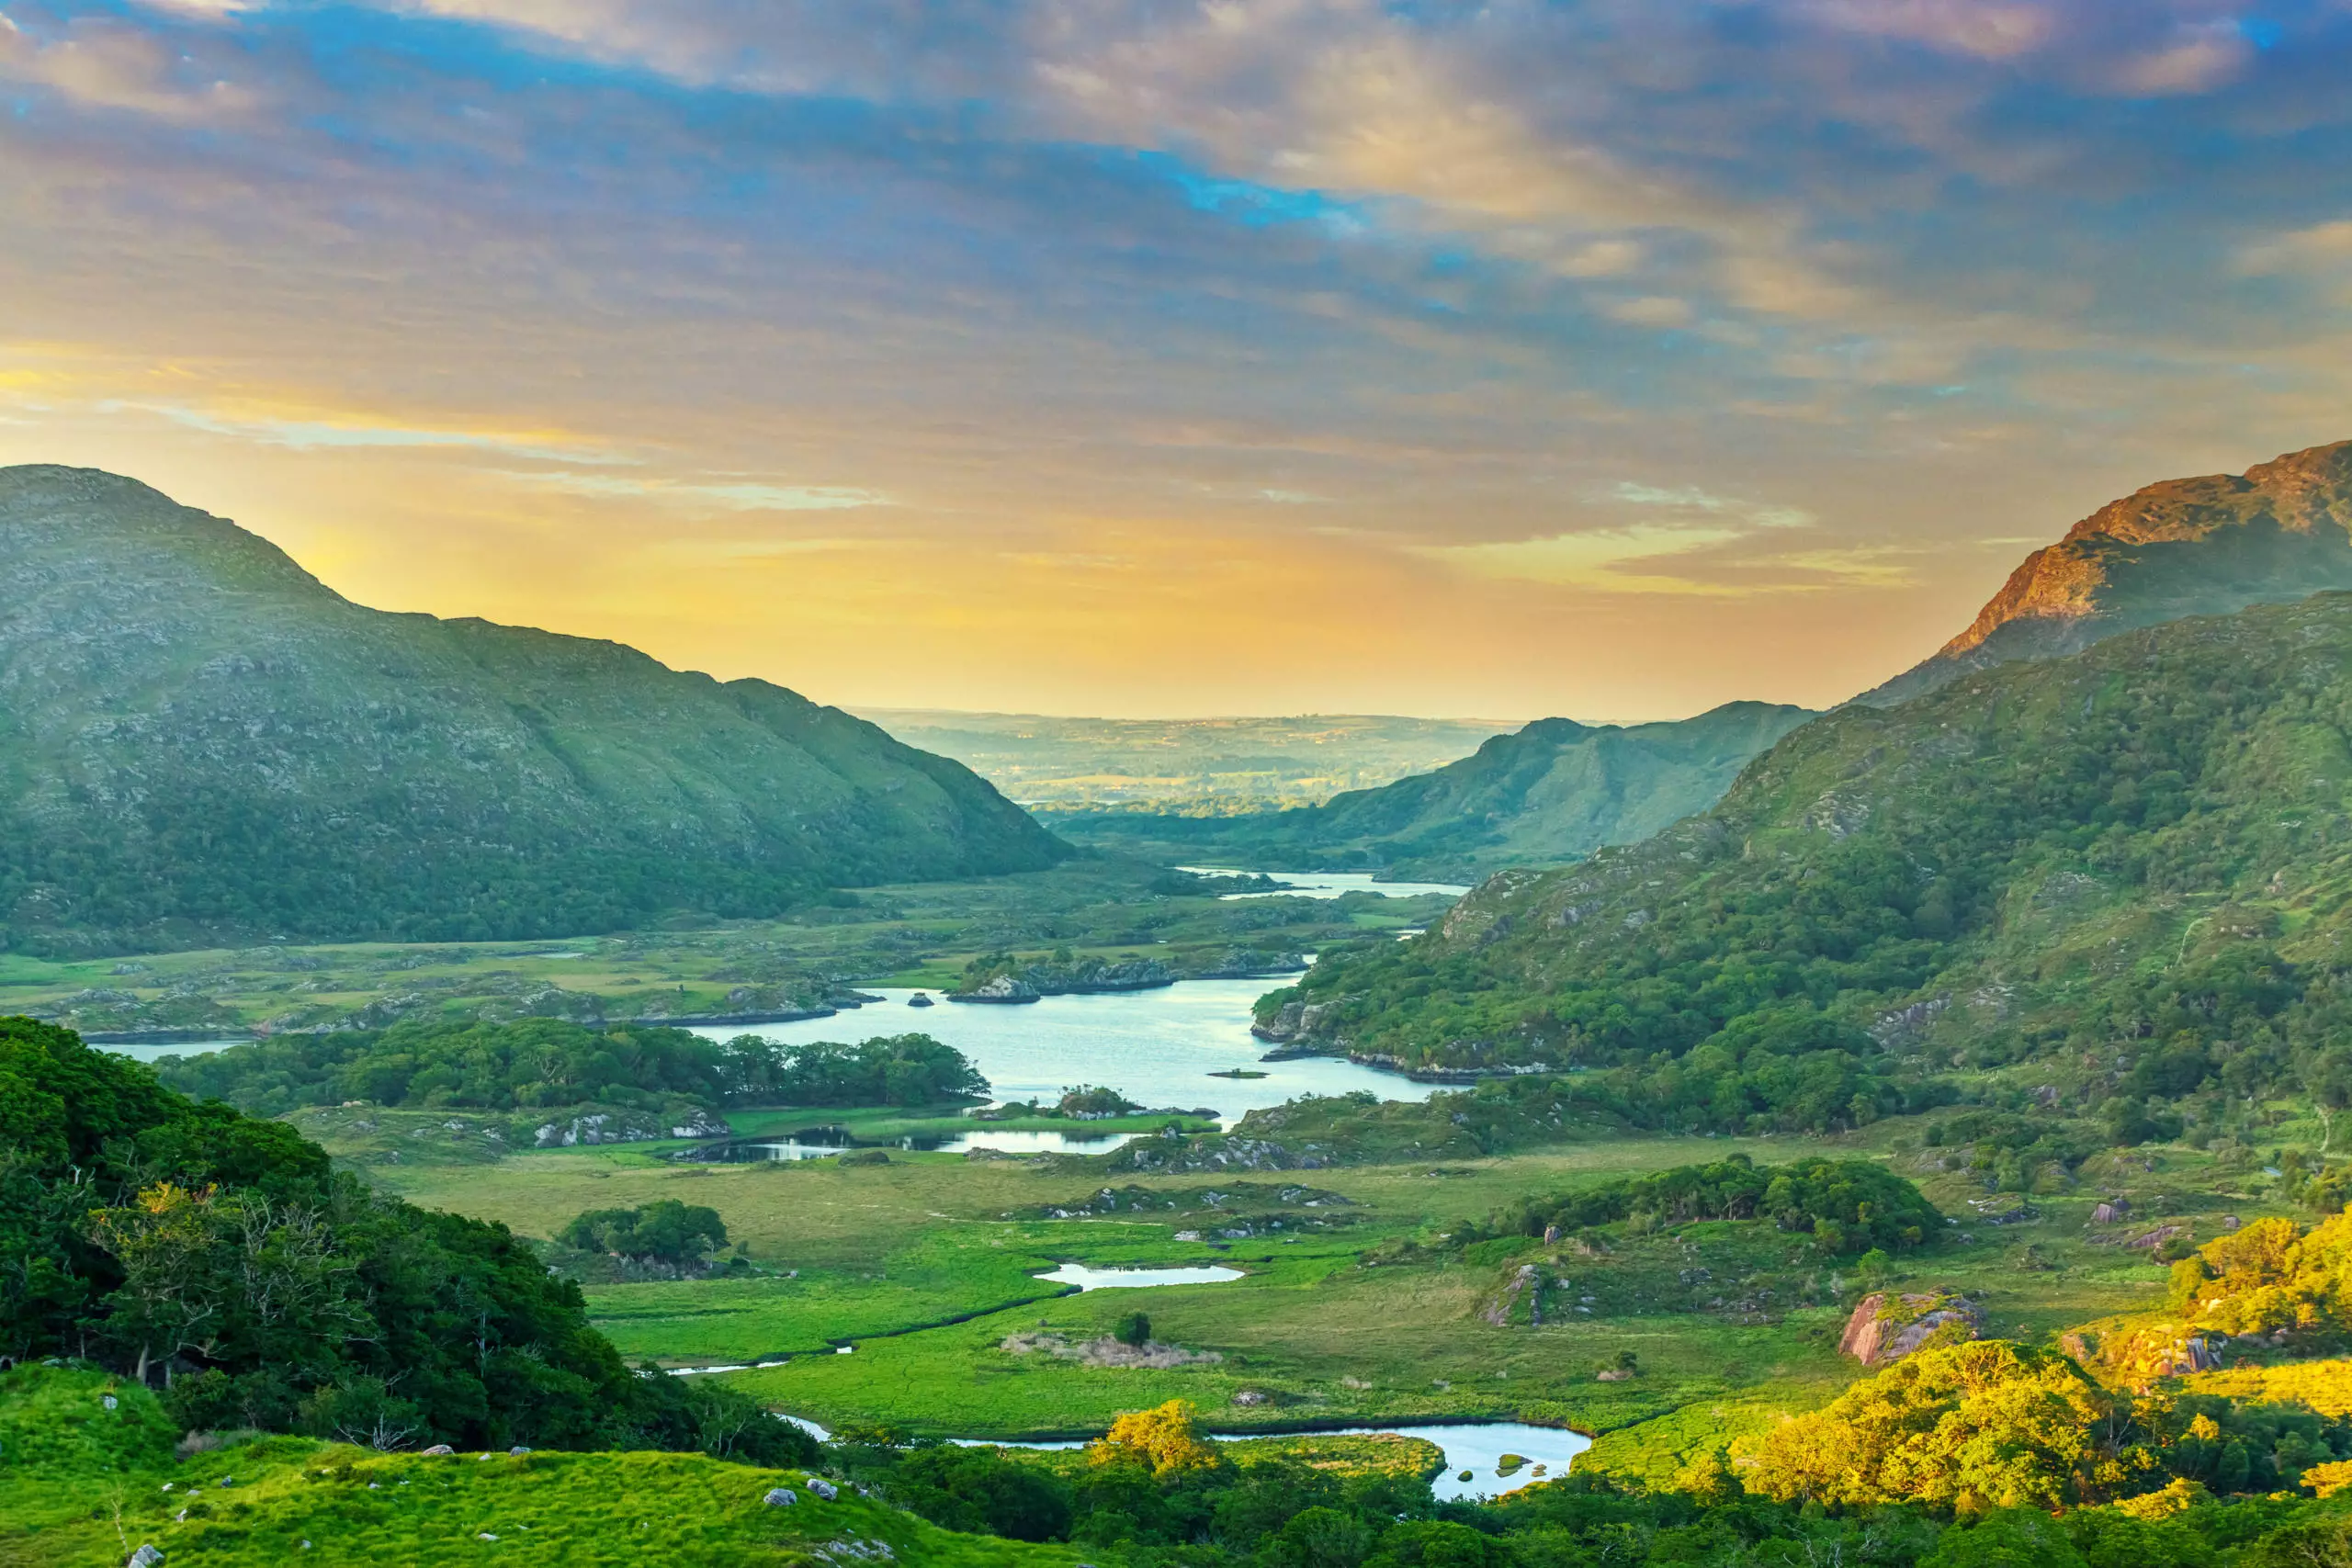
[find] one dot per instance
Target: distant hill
(2202, 547)
(1207, 767)
(1550, 793)
(2112, 878)
(201, 742)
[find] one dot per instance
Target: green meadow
(1351, 1310)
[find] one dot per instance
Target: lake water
(1475, 1446)
(818, 1143)
(156, 1053)
(1087, 1278)
(1328, 884)
(1156, 1047)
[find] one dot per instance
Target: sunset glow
(1610, 359)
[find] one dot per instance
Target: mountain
(2128, 869)
(1553, 791)
(2202, 546)
(201, 742)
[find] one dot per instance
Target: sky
(1146, 358)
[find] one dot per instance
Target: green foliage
(2151, 802)
(537, 1062)
(979, 1490)
(531, 1063)
(1849, 1206)
(2011, 1538)
(1132, 1328)
(151, 1231)
(663, 1232)
(898, 1069)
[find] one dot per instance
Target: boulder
(2115, 1211)
(2156, 1238)
(779, 1498)
(823, 1488)
(1003, 989)
(440, 1449)
(146, 1557)
(518, 1451)
(1888, 1327)
(1248, 1396)
(1613, 1374)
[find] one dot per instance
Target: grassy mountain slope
(90, 1474)
(1550, 793)
(2130, 867)
(2198, 547)
(198, 740)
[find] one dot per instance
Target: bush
(1850, 1206)
(1133, 1328)
(663, 1232)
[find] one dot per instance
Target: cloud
(1995, 30)
(112, 65)
(1596, 559)
(2203, 58)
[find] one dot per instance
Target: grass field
(1349, 1311)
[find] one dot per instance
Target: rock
(779, 1498)
(2229, 1222)
(918, 1000)
(823, 1488)
(1613, 1374)
(2113, 1212)
(440, 1449)
(517, 1451)
(1003, 989)
(1887, 1327)
(108, 1401)
(2156, 1238)
(146, 1557)
(1247, 1397)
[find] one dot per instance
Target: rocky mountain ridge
(2212, 545)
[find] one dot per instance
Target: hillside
(2129, 867)
(200, 741)
(2196, 546)
(1551, 793)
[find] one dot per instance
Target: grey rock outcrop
(1887, 1327)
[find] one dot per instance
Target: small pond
(1087, 1278)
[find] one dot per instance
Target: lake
(1156, 1047)
(1328, 884)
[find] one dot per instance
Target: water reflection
(1087, 1278)
(823, 1143)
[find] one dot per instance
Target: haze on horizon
(1253, 356)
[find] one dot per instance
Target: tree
(1988, 1425)
(1134, 1330)
(1321, 1538)
(1167, 1441)
(2013, 1537)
